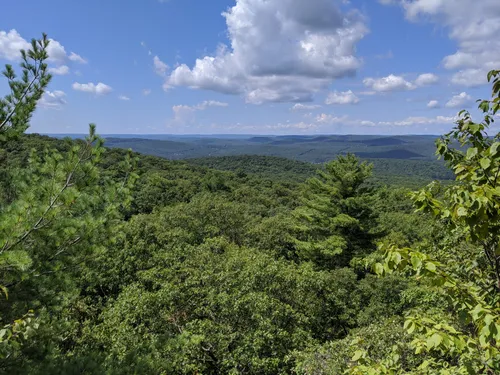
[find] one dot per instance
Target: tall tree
(336, 222)
(61, 211)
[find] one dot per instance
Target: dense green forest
(404, 160)
(114, 262)
(396, 172)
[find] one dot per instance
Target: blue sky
(255, 66)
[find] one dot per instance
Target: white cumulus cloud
(345, 97)
(10, 45)
(474, 25)
(124, 98)
(77, 58)
(56, 52)
(97, 89)
(12, 42)
(426, 79)
(60, 70)
(281, 51)
(433, 104)
(389, 83)
(461, 100)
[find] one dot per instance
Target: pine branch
(52, 203)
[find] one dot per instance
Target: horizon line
(245, 134)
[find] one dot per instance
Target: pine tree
(62, 210)
(17, 107)
(335, 220)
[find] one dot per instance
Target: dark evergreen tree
(336, 222)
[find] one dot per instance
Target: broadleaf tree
(464, 336)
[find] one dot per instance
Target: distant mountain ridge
(307, 148)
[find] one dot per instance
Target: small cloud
(160, 67)
(426, 79)
(330, 119)
(433, 104)
(97, 89)
(367, 123)
(146, 92)
(389, 83)
(460, 100)
(305, 107)
(123, 97)
(77, 58)
(342, 98)
(210, 103)
(60, 70)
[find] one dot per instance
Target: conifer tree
(17, 107)
(61, 211)
(335, 221)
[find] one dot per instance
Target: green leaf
(379, 269)
(434, 341)
(357, 355)
(488, 319)
(462, 211)
(471, 153)
(425, 364)
(494, 148)
(416, 262)
(485, 163)
(484, 106)
(431, 267)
